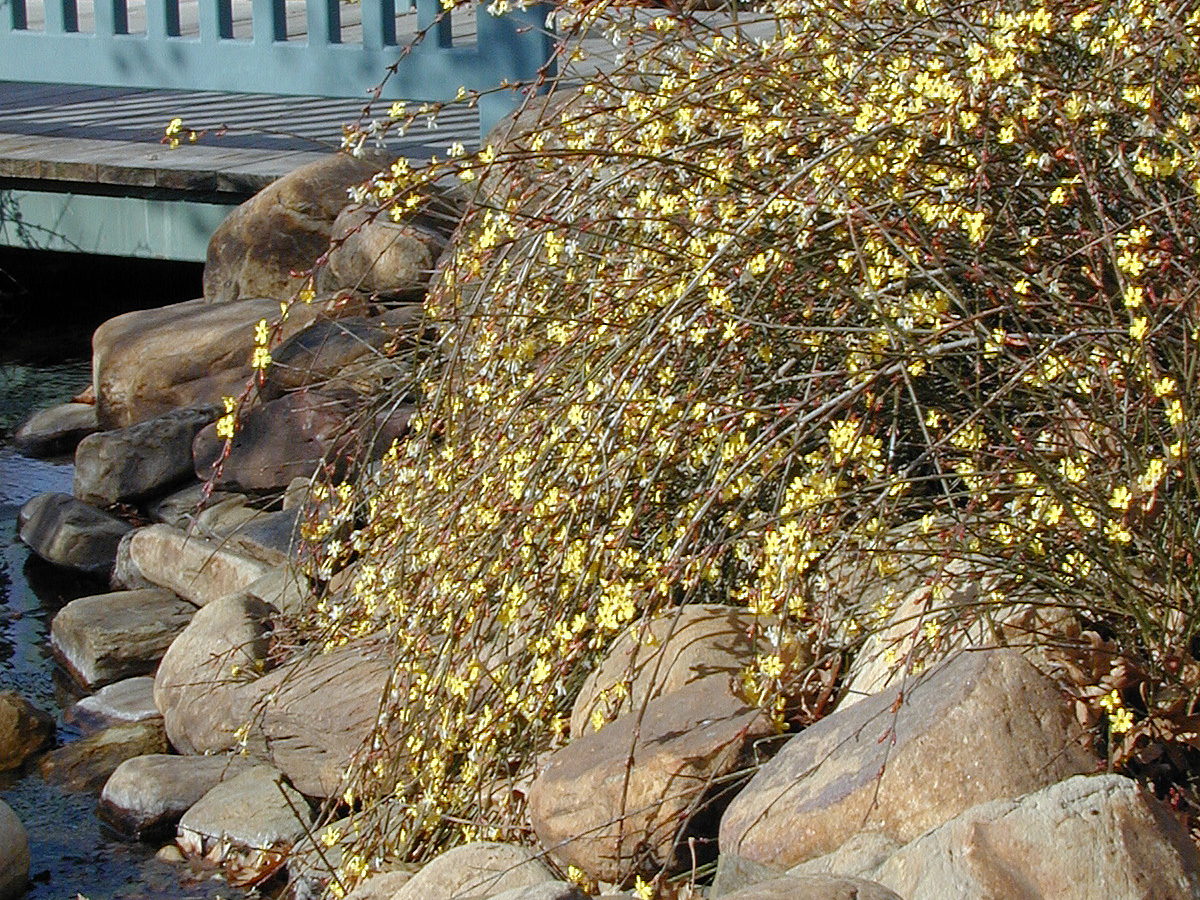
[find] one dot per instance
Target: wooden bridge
(87, 88)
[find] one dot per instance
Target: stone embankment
(971, 779)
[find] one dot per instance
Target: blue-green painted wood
(510, 49)
(116, 226)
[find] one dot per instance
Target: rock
(978, 727)
(815, 887)
(108, 637)
(203, 685)
(86, 764)
(198, 570)
(610, 816)
(170, 854)
(24, 730)
(149, 362)
(479, 869)
(1099, 836)
(56, 430)
(329, 350)
(380, 886)
(146, 796)
(14, 854)
(371, 254)
(281, 230)
(130, 463)
(129, 700)
(859, 857)
(547, 890)
(286, 589)
(677, 647)
(181, 508)
(265, 536)
(253, 813)
(66, 532)
(126, 576)
(312, 860)
(318, 712)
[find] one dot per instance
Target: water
(44, 360)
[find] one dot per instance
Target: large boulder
(1086, 837)
(24, 730)
(56, 430)
(108, 637)
(266, 243)
(480, 869)
(86, 764)
(146, 796)
(146, 458)
(372, 254)
(70, 533)
(204, 686)
(14, 854)
(149, 362)
(662, 655)
(198, 570)
(979, 727)
(620, 800)
(318, 712)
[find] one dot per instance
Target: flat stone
(181, 508)
(86, 764)
(619, 801)
(978, 727)
(673, 649)
(14, 854)
(108, 637)
(24, 730)
(128, 700)
(265, 536)
(1086, 837)
(56, 430)
(256, 810)
(130, 463)
(147, 795)
(69, 533)
(198, 570)
(815, 887)
(205, 684)
(478, 869)
(319, 710)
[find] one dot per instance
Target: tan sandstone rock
(198, 570)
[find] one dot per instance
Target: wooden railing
(323, 48)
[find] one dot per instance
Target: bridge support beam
(111, 225)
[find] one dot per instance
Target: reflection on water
(72, 851)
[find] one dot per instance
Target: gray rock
(815, 887)
(146, 796)
(617, 801)
(479, 869)
(196, 569)
(56, 430)
(128, 700)
(281, 230)
(126, 576)
(86, 764)
(67, 532)
(286, 589)
(108, 637)
(180, 508)
(859, 857)
(147, 458)
(255, 810)
(547, 890)
(205, 685)
(978, 727)
(1086, 837)
(24, 730)
(235, 525)
(14, 854)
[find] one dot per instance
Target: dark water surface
(45, 329)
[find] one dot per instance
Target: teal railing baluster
(378, 24)
(162, 20)
(16, 19)
(112, 18)
(216, 21)
(431, 16)
(324, 22)
(269, 24)
(62, 17)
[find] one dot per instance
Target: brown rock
(56, 430)
(671, 650)
(1086, 837)
(205, 684)
(86, 764)
(149, 362)
(282, 229)
(613, 805)
(108, 637)
(479, 869)
(318, 711)
(980, 726)
(373, 255)
(24, 730)
(815, 887)
(198, 570)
